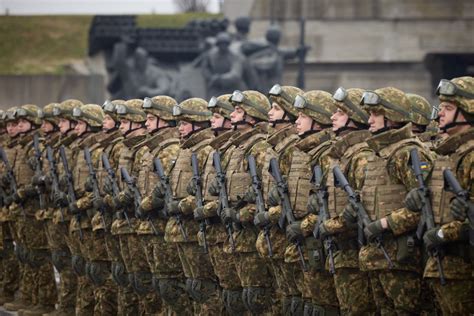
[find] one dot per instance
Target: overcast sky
(56, 7)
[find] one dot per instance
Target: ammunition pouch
(119, 274)
(36, 258)
(405, 247)
(141, 282)
(60, 259)
(257, 299)
(78, 265)
(296, 306)
(171, 290)
(233, 302)
(200, 290)
(347, 244)
(319, 310)
(98, 271)
(316, 250)
(461, 250)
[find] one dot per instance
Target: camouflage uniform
(254, 271)
(315, 284)
(201, 282)
(388, 179)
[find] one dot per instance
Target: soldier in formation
(295, 203)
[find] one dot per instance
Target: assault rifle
(70, 185)
(199, 200)
(451, 184)
(363, 218)
(38, 168)
(95, 184)
(53, 172)
(259, 202)
(113, 180)
(11, 177)
(287, 210)
(322, 196)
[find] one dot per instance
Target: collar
(314, 140)
(452, 143)
(382, 140)
(343, 143)
(197, 137)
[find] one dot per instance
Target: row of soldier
(295, 203)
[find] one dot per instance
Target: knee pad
(97, 272)
(171, 290)
(297, 306)
(200, 290)
(119, 275)
(257, 299)
(233, 302)
(141, 282)
(60, 259)
(78, 265)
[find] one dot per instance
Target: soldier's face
(23, 126)
(304, 123)
(447, 114)
(218, 121)
(275, 113)
(185, 128)
(65, 125)
(12, 129)
(376, 121)
(339, 119)
(125, 126)
(80, 128)
(47, 127)
(151, 123)
(108, 123)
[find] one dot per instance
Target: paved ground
(3, 312)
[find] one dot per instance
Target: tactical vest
(80, 171)
(299, 176)
(182, 172)
(237, 175)
(21, 168)
(127, 156)
(380, 195)
(12, 154)
(107, 144)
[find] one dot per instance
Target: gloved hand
(349, 214)
(313, 204)
(159, 191)
(431, 238)
(191, 188)
(273, 197)
(73, 208)
(262, 219)
(5, 181)
(414, 200)
(229, 215)
(250, 196)
(124, 198)
(89, 184)
(98, 203)
(32, 162)
(323, 231)
(373, 230)
(27, 192)
(199, 213)
(459, 208)
(63, 181)
(173, 208)
(213, 187)
(60, 199)
(294, 232)
(108, 186)
(40, 180)
(8, 200)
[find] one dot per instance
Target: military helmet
(110, 108)
(131, 110)
(29, 112)
(253, 102)
(285, 96)
(221, 105)
(192, 110)
(391, 102)
(46, 113)
(92, 114)
(458, 90)
(317, 104)
(64, 109)
(3, 116)
(348, 101)
(161, 106)
(10, 114)
(420, 109)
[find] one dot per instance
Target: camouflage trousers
(105, 297)
(288, 296)
(10, 268)
(318, 286)
(354, 292)
(127, 301)
(201, 282)
(454, 298)
(396, 292)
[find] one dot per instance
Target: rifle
(53, 171)
(259, 202)
(95, 184)
(38, 168)
(451, 184)
(363, 218)
(11, 177)
(427, 218)
(287, 210)
(70, 186)
(223, 198)
(322, 196)
(199, 200)
(165, 182)
(113, 179)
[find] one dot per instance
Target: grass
(46, 44)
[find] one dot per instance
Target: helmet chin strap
(285, 119)
(346, 127)
(241, 122)
(130, 129)
(221, 128)
(384, 128)
(454, 123)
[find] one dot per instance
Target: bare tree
(192, 5)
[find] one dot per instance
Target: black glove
(32, 162)
(273, 197)
(173, 208)
(89, 184)
(40, 180)
(191, 188)
(431, 239)
(8, 200)
(98, 203)
(73, 209)
(459, 208)
(313, 204)
(5, 181)
(262, 219)
(60, 199)
(414, 200)
(373, 230)
(29, 191)
(250, 196)
(323, 232)
(63, 183)
(199, 213)
(294, 232)
(124, 198)
(229, 215)
(349, 214)
(214, 187)
(157, 197)
(108, 186)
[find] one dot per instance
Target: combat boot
(36, 310)
(17, 304)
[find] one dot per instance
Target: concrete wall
(44, 89)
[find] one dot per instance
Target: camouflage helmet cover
(348, 101)
(109, 108)
(420, 109)
(92, 114)
(160, 106)
(10, 115)
(221, 105)
(46, 113)
(29, 112)
(317, 104)
(466, 84)
(65, 108)
(285, 96)
(254, 103)
(132, 111)
(192, 110)
(391, 102)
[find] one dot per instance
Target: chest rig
(80, 171)
(21, 168)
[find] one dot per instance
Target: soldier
(182, 229)
(249, 118)
(10, 264)
(422, 124)
(388, 179)
(450, 237)
(38, 271)
(282, 116)
(216, 233)
(315, 109)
